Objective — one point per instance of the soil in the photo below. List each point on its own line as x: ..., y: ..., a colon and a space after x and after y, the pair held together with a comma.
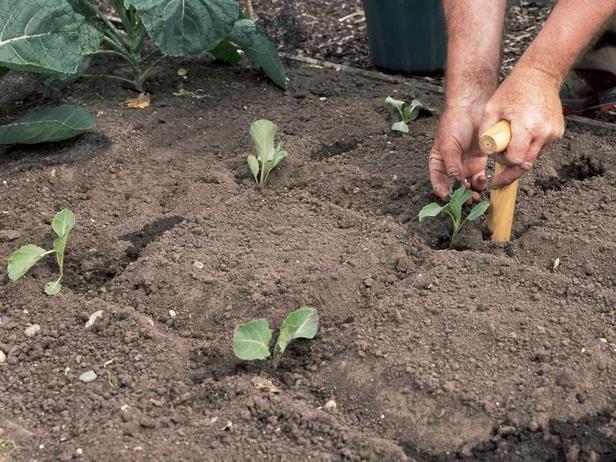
x: 482, y: 352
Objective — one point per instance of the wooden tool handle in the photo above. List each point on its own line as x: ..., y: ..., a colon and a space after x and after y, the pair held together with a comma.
x: 500, y: 219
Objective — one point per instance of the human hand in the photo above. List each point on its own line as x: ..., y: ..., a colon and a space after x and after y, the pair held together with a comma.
x: 455, y: 154
x: 529, y: 100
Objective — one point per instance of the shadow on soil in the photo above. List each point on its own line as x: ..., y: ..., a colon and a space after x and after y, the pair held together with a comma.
x: 564, y: 440
x: 79, y: 150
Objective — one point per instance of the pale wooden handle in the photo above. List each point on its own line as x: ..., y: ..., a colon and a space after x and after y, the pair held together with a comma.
x: 500, y: 219
x: 496, y: 138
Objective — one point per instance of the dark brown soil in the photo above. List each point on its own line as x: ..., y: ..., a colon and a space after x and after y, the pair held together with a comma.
x: 483, y: 352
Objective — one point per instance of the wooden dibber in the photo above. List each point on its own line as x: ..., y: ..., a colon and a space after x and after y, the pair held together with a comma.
x: 500, y: 219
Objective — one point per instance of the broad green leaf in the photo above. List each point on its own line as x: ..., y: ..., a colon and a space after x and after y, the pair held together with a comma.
x: 279, y: 156
x: 227, y: 52
x: 415, y: 109
x: 41, y: 36
x: 253, y: 41
x: 478, y: 210
x: 62, y: 225
x: 63, y: 222
x: 253, y: 164
x: 400, y: 127
x: 301, y: 323
x: 263, y: 133
x: 53, y: 287
x: 23, y: 259
x: 395, y: 105
x: 186, y: 27
x: 58, y: 82
x: 83, y: 7
x: 47, y: 125
x: 430, y: 210
x: 459, y: 197
x: 251, y: 340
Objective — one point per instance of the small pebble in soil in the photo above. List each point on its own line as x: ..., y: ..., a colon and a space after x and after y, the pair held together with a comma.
x: 32, y: 330
x: 368, y: 282
x: 88, y: 377
x: 198, y: 265
x: 2, y: 357
x: 172, y: 314
x: 92, y: 318
x: 331, y: 405
x: 533, y: 426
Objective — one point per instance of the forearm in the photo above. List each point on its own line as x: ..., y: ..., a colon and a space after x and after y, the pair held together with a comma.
x: 474, y: 29
x: 569, y: 31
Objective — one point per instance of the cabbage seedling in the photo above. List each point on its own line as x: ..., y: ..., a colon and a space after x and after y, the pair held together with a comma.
x: 407, y: 112
x: 23, y: 259
x: 251, y: 341
x: 268, y: 156
x: 453, y: 209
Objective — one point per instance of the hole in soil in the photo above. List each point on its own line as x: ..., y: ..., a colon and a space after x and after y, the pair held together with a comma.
x: 149, y: 233
x: 578, y: 170
x: 584, y: 435
x: 337, y: 148
x: 96, y: 270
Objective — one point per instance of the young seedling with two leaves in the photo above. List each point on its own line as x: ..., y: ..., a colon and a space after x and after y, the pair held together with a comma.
x: 263, y: 133
x: 407, y: 112
x: 453, y: 209
x: 251, y: 341
x: 23, y: 259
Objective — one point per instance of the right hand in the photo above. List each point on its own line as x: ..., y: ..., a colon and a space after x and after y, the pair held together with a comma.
x: 455, y: 154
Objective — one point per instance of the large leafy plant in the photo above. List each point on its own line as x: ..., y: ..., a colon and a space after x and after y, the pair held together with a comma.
x: 59, y: 38
x: 251, y: 341
x: 23, y: 259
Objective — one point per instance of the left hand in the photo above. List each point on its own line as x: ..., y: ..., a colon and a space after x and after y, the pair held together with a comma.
x: 529, y: 99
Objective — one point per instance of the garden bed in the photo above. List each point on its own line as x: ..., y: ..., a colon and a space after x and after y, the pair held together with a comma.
x: 483, y: 352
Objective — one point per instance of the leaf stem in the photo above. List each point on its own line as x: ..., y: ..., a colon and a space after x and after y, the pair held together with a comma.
x: 112, y: 77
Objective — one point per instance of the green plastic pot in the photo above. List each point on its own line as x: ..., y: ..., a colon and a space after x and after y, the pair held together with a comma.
x: 407, y: 36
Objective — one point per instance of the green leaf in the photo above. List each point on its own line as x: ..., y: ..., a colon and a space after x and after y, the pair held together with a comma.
x: 396, y: 105
x: 415, y: 109
x: 251, y: 39
x: 47, y: 125
x: 430, y: 210
x: 23, y: 259
x: 400, y: 127
x: 63, y: 222
x: 301, y: 323
x: 53, y: 287
x: 253, y: 164
x: 478, y: 210
x: 458, y: 198
x: 227, y: 52
x: 83, y: 8
x: 40, y: 36
x: 186, y: 27
x: 263, y: 133
x: 62, y: 225
x: 279, y: 156
x: 251, y: 340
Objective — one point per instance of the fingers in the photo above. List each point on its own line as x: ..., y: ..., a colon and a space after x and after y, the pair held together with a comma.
x: 479, y: 181
x: 441, y: 182
x: 513, y: 173
x: 451, y: 152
